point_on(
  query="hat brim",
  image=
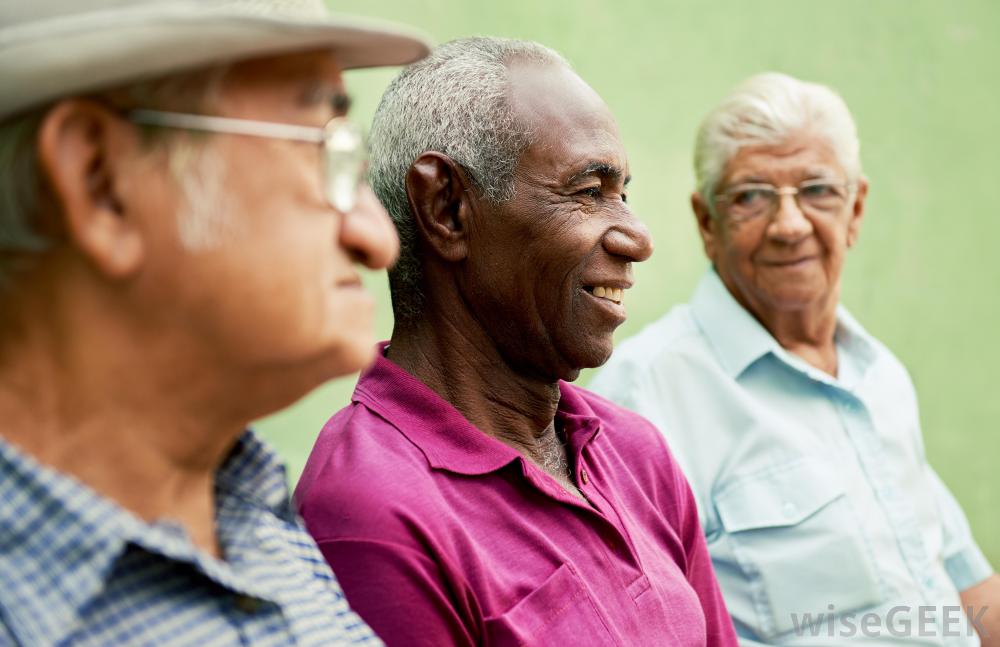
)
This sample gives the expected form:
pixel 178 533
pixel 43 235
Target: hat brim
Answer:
pixel 78 54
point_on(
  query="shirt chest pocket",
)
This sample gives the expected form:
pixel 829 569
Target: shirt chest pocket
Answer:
pixel 798 544
pixel 559 612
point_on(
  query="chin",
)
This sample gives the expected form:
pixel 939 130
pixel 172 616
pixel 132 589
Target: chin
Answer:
pixel 354 356
pixel 586 355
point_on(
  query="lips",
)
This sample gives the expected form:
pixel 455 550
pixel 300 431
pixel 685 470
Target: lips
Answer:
pixel 792 262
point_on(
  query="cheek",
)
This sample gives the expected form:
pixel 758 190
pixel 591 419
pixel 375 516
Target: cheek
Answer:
pixel 740 245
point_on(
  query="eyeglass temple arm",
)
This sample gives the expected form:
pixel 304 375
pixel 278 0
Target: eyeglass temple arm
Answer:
pixel 207 123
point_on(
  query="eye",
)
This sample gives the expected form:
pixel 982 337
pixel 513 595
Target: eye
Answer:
pixel 591 192
pixel 819 190
pixel 624 197
pixel 748 197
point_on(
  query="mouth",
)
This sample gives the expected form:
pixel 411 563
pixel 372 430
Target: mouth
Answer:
pixel 349 282
pixel 790 263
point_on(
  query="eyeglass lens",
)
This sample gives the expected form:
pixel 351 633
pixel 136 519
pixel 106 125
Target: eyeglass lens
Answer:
pixel 345 163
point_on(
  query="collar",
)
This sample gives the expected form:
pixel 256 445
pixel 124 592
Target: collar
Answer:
pixel 60 540
pixel 446 438
pixel 739 339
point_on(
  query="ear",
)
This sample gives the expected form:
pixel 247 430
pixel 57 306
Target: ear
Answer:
pixel 439 194
pixel 857 212
pixel 708 225
pixel 80 148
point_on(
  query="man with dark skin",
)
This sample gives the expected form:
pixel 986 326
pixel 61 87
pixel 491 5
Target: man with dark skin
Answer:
pixel 517 297
pixel 566 231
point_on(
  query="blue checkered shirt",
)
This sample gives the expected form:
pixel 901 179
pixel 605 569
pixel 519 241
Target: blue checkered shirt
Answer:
pixel 76 569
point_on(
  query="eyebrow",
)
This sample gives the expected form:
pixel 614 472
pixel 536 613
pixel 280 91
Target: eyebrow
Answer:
pixel 602 170
pixel 816 173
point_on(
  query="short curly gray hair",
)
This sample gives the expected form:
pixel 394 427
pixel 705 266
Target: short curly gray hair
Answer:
pixel 457 102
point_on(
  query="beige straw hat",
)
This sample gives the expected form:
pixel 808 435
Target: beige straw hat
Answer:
pixel 55 48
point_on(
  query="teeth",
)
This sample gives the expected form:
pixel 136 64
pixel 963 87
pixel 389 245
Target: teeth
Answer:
pixel 611 294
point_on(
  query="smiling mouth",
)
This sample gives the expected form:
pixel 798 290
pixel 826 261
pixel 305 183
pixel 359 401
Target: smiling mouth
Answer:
pixel 790 263
pixel 613 295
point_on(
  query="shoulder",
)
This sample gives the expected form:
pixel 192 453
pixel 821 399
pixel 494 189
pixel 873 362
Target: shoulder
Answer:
pixel 632 436
pixel 363 479
pixel 652 355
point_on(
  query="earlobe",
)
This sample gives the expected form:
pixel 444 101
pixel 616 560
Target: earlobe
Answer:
pixel 74 145
pixel 438 192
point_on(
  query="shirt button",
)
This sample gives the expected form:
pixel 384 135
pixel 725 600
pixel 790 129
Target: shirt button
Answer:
pixel 247 604
pixel 789 509
pixel 584 477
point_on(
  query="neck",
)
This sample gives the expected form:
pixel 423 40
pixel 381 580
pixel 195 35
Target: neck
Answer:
pixel 807 332
pixel 121 412
pixel 455 358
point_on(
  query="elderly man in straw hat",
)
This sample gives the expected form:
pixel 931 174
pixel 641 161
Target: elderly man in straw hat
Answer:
pixel 181 218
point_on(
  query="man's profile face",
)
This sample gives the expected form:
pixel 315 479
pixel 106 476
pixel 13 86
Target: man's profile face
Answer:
pixel 536 261
pixel 278 287
pixel 792 258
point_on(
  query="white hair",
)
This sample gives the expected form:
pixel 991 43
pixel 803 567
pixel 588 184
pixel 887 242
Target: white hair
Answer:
pixel 457 102
pixel 206 214
pixel 767 109
pixel 28 227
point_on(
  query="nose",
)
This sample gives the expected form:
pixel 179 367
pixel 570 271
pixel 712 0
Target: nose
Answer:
pixel 367 234
pixel 789 224
pixel 629 239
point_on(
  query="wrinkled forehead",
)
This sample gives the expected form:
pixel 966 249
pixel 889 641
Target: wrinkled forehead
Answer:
pixel 569 121
pixel 801 156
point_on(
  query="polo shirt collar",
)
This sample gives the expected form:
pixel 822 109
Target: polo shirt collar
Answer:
pixel 445 437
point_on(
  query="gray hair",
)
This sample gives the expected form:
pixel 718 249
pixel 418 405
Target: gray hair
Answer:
pixel 765 110
pixel 457 102
pixel 27 226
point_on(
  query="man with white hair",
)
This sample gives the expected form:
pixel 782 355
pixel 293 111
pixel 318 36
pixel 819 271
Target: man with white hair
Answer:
pixel 797 429
pixel 182 214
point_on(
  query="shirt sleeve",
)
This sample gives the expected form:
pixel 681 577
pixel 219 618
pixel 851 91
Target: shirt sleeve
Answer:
pixel 399 592
pixel 719 629
pixel 963 560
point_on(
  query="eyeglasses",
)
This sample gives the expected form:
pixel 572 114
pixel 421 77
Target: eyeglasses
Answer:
pixel 817 197
pixel 345 154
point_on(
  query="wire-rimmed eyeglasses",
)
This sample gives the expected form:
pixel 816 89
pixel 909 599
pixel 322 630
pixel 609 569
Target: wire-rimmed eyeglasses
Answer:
pixel 345 153
pixel 754 199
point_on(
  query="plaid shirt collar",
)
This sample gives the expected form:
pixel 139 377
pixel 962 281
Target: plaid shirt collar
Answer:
pixel 59 539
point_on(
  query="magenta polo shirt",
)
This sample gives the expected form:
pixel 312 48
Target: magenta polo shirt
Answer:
pixel 441 535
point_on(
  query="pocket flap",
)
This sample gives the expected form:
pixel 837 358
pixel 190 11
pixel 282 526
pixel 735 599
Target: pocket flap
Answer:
pixel 779 496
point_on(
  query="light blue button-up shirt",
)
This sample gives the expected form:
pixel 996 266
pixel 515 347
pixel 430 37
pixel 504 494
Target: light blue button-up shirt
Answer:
pixel 825 522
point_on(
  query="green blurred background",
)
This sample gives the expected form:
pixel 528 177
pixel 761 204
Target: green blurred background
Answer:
pixel 921 78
